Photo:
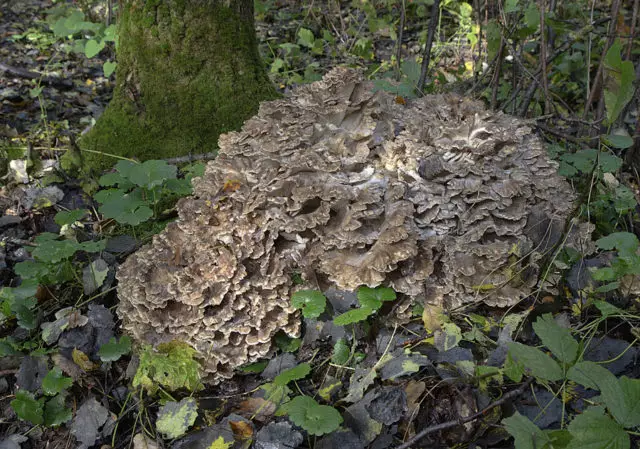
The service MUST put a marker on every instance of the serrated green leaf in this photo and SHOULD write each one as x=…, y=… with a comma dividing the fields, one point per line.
x=557, y=338
x=316, y=419
x=172, y=366
x=629, y=415
x=296, y=373
x=306, y=37
x=55, y=251
x=373, y=298
x=55, y=411
x=112, y=351
x=69, y=217
x=175, y=418
x=152, y=173
x=540, y=364
x=607, y=309
x=595, y=430
x=525, y=433
x=54, y=382
x=28, y=408
x=311, y=302
x=353, y=316
x=341, y=352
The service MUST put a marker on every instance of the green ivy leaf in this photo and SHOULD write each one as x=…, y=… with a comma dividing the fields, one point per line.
x=374, y=297
x=316, y=419
x=92, y=48
x=296, y=373
x=175, y=418
x=595, y=430
x=540, y=364
x=557, y=338
x=526, y=434
x=112, y=351
x=67, y=218
x=55, y=411
x=108, y=68
x=341, y=352
x=312, y=302
x=353, y=316
x=54, y=382
x=28, y=408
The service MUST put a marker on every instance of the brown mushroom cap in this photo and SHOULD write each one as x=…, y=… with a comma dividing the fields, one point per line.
x=439, y=199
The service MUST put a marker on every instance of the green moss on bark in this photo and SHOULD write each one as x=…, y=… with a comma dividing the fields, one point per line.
x=188, y=70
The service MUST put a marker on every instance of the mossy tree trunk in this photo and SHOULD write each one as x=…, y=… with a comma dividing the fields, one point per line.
x=188, y=70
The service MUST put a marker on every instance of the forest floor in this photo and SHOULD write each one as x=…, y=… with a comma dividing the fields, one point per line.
x=66, y=371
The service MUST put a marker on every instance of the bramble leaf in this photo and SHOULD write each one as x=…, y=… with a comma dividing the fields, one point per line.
x=539, y=363
x=595, y=430
x=557, y=338
x=526, y=434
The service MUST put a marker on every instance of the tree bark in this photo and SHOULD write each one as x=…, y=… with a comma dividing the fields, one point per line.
x=188, y=70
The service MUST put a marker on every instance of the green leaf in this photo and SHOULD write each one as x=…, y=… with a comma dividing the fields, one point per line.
x=618, y=141
x=619, y=78
x=172, y=366
x=54, y=382
x=353, y=316
x=306, y=37
x=175, y=418
x=152, y=173
x=526, y=434
x=607, y=309
x=255, y=368
x=595, y=430
x=452, y=336
x=92, y=48
x=296, y=373
x=67, y=218
x=316, y=419
x=625, y=242
x=28, y=408
x=540, y=364
x=112, y=351
x=341, y=352
x=557, y=338
x=108, y=68
x=55, y=411
x=532, y=17
x=629, y=416
x=373, y=298
x=55, y=251
x=287, y=344
x=312, y=302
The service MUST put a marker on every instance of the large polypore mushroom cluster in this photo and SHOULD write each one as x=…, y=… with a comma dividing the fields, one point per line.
x=439, y=199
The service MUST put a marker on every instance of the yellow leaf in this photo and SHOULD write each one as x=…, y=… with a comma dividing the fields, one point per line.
x=432, y=317
x=220, y=444
x=82, y=360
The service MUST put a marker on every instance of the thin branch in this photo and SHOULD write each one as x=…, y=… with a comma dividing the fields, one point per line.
x=403, y=14
x=192, y=158
x=28, y=74
x=543, y=58
x=496, y=74
x=454, y=423
x=435, y=15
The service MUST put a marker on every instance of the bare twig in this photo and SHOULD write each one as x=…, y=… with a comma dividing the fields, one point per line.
x=543, y=58
x=454, y=423
x=632, y=31
x=595, y=89
x=403, y=13
x=435, y=15
x=192, y=158
x=496, y=75
x=28, y=74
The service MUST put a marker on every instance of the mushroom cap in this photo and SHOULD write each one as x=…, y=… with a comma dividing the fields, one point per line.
x=439, y=199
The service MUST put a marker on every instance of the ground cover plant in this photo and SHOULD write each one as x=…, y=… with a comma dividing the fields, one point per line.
x=560, y=369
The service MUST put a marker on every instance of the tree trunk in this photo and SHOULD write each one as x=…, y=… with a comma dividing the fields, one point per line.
x=188, y=70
